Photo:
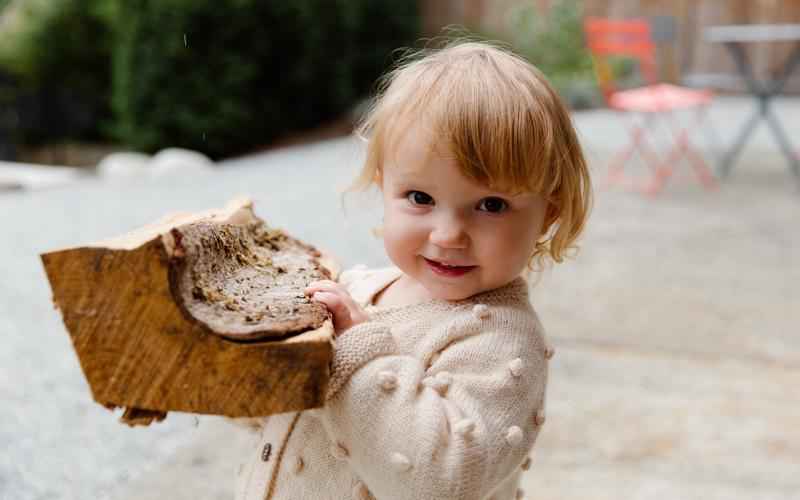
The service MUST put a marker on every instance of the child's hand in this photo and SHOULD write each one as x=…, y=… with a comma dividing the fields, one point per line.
x=346, y=313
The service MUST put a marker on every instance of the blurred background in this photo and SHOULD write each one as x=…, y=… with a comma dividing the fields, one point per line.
x=82, y=78
x=675, y=327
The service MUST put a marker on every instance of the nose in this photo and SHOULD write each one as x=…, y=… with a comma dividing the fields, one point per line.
x=449, y=232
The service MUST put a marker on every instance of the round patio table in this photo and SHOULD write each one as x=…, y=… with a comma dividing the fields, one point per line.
x=734, y=37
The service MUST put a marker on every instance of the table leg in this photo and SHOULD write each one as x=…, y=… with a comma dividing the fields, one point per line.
x=738, y=143
x=783, y=142
x=780, y=135
x=764, y=94
x=791, y=65
x=743, y=66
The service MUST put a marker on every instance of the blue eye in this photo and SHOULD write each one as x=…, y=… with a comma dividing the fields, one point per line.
x=419, y=198
x=493, y=205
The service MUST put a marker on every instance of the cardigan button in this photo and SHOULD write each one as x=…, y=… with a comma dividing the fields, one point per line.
x=514, y=435
x=298, y=465
x=360, y=492
x=339, y=451
x=400, y=462
x=266, y=452
x=480, y=311
x=387, y=380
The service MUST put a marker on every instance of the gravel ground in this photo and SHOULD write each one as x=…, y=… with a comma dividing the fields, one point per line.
x=58, y=443
x=683, y=281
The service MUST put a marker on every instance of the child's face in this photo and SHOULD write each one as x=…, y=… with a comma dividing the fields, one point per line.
x=433, y=215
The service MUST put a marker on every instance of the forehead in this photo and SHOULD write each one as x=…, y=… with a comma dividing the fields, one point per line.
x=417, y=160
x=413, y=151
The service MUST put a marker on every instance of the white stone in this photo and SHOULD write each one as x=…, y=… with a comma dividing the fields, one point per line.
x=123, y=165
x=176, y=161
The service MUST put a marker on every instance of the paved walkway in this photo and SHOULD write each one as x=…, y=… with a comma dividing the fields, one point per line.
x=675, y=330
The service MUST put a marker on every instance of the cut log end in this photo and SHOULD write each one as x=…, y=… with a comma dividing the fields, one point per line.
x=245, y=282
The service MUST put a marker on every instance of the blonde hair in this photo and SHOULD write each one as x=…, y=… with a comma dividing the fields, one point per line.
x=502, y=120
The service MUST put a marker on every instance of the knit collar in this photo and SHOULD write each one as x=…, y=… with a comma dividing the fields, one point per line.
x=517, y=289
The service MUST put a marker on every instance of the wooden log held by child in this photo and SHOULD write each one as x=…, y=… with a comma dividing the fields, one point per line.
x=200, y=313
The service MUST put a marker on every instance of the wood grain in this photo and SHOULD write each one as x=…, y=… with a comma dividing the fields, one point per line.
x=138, y=350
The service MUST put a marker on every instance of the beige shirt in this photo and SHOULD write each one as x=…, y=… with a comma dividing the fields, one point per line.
x=436, y=400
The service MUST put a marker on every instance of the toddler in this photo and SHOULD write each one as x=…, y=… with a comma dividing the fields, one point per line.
x=437, y=386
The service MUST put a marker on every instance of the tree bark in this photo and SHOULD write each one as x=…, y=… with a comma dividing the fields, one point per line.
x=200, y=313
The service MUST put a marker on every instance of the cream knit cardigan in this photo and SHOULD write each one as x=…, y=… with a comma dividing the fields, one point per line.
x=437, y=400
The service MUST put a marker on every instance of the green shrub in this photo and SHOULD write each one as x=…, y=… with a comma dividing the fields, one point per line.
x=555, y=44
x=58, y=53
x=224, y=76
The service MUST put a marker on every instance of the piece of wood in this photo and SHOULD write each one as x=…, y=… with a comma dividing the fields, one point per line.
x=200, y=313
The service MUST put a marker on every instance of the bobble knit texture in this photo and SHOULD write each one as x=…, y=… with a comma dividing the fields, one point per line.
x=437, y=400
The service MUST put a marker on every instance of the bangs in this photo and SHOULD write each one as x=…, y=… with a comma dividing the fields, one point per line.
x=488, y=111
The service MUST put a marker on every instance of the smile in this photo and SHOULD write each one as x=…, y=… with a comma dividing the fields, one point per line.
x=446, y=270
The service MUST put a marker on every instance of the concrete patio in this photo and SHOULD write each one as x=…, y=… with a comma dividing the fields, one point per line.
x=676, y=330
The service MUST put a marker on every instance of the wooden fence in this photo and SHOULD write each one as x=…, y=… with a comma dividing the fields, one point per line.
x=689, y=53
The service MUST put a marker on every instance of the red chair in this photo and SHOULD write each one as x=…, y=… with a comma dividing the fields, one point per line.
x=655, y=102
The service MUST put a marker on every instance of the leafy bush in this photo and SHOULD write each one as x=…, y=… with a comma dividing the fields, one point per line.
x=220, y=76
x=58, y=55
x=223, y=76
x=555, y=44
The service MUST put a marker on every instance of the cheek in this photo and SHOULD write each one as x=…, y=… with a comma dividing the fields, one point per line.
x=401, y=234
x=510, y=245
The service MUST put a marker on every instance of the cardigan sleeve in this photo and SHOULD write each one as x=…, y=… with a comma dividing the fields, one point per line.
x=453, y=424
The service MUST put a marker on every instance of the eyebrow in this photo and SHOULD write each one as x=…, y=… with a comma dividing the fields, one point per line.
x=404, y=179
x=404, y=174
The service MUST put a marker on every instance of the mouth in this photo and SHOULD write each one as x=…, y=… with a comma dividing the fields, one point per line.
x=443, y=269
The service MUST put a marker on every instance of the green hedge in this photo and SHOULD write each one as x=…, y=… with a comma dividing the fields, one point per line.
x=224, y=76
x=58, y=54
x=219, y=76
x=555, y=44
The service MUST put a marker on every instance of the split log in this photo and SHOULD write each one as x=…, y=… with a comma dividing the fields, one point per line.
x=201, y=313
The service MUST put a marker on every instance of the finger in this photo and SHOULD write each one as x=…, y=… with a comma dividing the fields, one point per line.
x=323, y=285
x=337, y=307
x=332, y=301
x=353, y=308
